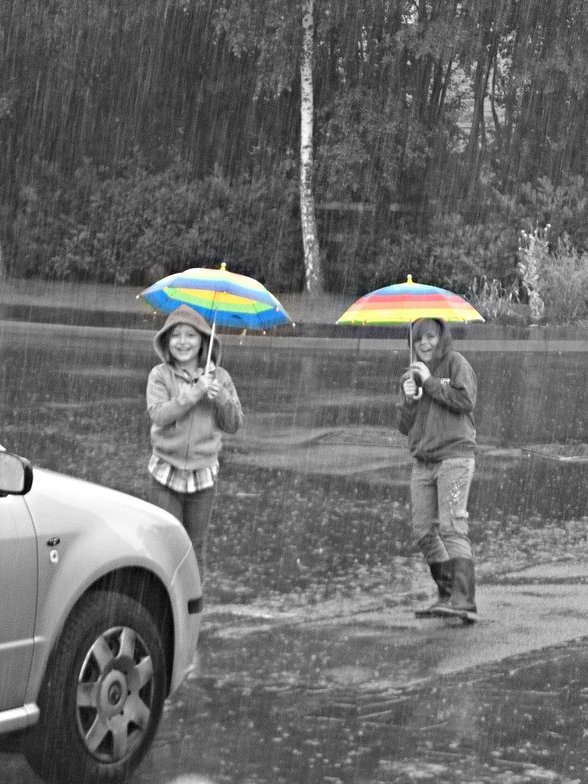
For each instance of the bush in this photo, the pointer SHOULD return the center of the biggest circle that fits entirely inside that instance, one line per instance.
(533, 259)
(563, 284)
(38, 220)
(564, 207)
(134, 225)
(137, 225)
(453, 254)
(494, 301)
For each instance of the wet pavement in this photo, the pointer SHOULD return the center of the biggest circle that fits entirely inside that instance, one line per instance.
(312, 665)
(364, 695)
(360, 692)
(520, 723)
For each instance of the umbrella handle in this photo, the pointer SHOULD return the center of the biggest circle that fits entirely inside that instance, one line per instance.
(419, 392)
(211, 341)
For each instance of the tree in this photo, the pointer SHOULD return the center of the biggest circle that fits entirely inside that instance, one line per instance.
(412, 114)
(312, 267)
(279, 38)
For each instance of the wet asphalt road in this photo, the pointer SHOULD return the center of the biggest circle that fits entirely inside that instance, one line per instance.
(366, 699)
(359, 692)
(522, 721)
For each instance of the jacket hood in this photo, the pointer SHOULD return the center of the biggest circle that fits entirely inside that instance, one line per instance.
(445, 344)
(184, 314)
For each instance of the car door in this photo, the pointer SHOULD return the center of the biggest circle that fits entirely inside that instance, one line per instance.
(18, 599)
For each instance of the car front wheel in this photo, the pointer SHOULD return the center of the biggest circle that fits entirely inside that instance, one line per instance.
(103, 693)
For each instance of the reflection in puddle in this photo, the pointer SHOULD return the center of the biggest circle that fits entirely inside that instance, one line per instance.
(519, 721)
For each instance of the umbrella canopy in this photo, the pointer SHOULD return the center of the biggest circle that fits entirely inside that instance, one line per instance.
(224, 298)
(404, 303)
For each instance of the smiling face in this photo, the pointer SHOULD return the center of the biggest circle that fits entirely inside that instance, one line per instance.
(184, 345)
(426, 343)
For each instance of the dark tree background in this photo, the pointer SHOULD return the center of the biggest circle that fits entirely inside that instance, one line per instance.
(143, 137)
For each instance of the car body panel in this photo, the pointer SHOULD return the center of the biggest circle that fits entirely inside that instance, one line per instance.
(18, 589)
(75, 533)
(188, 629)
(118, 531)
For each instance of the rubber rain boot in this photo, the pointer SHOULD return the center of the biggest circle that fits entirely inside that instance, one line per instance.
(441, 573)
(462, 603)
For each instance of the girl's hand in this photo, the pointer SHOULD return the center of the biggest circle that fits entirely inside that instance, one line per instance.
(210, 385)
(421, 369)
(409, 387)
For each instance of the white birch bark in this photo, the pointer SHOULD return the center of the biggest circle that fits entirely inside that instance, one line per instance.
(312, 268)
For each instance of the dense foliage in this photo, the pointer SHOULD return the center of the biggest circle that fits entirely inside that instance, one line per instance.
(141, 137)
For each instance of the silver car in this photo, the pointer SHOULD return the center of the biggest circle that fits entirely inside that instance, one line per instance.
(99, 621)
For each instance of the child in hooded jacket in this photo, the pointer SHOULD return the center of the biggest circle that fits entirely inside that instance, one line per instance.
(436, 403)
(189, 410)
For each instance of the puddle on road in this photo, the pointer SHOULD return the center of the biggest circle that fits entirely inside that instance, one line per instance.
(520, 721)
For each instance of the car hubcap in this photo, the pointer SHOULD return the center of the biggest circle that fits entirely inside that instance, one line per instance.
(114, 694)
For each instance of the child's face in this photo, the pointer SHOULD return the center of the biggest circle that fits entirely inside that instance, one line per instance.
(184, 344)
(427, 343)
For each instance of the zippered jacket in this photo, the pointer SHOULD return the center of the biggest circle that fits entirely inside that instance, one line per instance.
(441, 423)
(185, 434)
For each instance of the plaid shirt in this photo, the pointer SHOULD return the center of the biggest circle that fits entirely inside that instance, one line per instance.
(182, 480)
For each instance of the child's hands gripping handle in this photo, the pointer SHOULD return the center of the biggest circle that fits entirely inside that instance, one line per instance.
(410, 388)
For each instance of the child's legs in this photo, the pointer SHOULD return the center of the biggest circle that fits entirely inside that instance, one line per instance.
(197, 515)
(454, 477)
(166, 499)
(425, 526)
(193, 510)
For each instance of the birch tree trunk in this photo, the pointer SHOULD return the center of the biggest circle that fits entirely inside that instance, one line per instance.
(312, 263)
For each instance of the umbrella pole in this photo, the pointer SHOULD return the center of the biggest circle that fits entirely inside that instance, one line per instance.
(410, 347)
(419, 393)
(211, 341)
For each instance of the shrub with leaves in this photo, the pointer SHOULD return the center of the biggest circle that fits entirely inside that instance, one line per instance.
(564, 284)
(533, 259)
(139, 225)
(563, 206)
(494, 301)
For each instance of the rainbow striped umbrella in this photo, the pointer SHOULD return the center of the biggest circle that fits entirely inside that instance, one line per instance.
(404, 303)
(225, 299)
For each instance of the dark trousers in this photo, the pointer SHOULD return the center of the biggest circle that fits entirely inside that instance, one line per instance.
(193, 510)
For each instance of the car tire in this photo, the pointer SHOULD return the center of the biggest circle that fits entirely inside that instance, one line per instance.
(102, 695)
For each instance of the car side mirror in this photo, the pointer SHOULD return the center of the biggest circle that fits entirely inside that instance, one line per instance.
(16, 474)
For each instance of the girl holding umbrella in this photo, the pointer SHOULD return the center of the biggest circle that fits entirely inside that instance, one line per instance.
(189, 409)
(191, 399)
(441, 434)
(436, 404)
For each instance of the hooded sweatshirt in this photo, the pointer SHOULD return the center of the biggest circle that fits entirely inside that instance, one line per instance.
(185, 434)
(441, 424)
